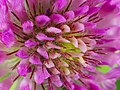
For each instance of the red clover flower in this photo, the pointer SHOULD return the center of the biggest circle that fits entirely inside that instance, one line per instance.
(61, 44)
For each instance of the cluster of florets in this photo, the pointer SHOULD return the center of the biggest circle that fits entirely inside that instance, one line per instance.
(56, 44)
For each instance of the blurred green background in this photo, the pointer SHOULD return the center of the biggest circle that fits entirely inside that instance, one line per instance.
(118, 84)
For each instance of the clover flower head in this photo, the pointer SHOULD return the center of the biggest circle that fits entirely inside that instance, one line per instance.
(60, 42)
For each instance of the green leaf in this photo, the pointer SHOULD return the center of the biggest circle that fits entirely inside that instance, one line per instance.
(5, 77)
(14, 85)
(118, 84)
(103, 68)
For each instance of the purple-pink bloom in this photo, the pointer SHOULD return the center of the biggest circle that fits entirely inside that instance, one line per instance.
(56, 43)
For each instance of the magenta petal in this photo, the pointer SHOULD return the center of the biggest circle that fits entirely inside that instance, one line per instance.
(25, 84)
(3, 56)
(107, 9)
(42, 52)
(27, 27)
(55, 79)
(22, 67)
(8, 38)
(57, 18)
(23, 53)
(81, 10)
(41, 20)
(93, 86)
(42, 37)
(35, 59)
(31, 43)
(53, 30)
(69, 15)
(59, 4)
(93, 10)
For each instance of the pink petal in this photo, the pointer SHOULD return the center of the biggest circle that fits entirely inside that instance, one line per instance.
(42, 37)
(54, 55)
(49, 64)
(31, 43)
(93, 10)
(57, 18)
(43, 52)
(8, 38)
(111, 75)
(41, 74)
(17, 6)
(74, 41)
(51, 45)
(65, 28)
(81, 10)
(82, 45)
(41, 20)
(23, 53)
(56, 80)
(46, 74)
(27, 27)
(69, 15)
(35, 59)
(59, 4)
(22, 67)
(61, 39)
(78, 26)
(89, 25)
(25, 84)
(54, 71)
(53, 30)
